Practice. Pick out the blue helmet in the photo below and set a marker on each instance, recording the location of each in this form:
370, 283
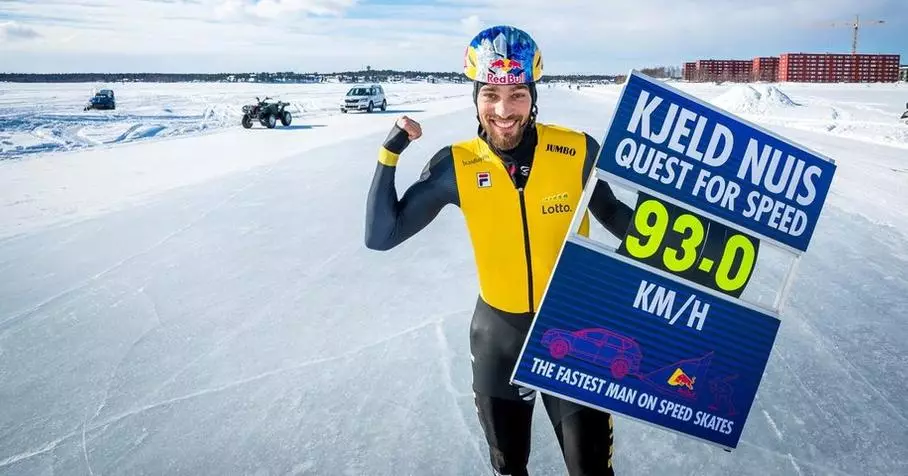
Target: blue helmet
503, 55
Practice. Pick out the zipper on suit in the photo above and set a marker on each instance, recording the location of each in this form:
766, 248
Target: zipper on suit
526, 248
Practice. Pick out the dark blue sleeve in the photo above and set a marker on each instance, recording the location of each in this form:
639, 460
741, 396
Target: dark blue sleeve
390, 221
613, 214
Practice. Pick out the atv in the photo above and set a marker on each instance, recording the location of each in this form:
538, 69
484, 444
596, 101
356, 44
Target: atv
267, 113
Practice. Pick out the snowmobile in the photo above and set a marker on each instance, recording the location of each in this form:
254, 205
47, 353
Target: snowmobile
103, 99
267, 113
904, 117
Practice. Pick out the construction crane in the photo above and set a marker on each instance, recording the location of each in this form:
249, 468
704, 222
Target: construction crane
855, 26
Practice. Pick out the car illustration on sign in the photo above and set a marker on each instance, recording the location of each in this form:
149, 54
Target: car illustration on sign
620, 354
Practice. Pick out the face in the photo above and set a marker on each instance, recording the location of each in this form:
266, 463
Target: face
504, 111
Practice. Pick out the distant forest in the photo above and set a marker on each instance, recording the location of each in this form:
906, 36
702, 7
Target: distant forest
368, 75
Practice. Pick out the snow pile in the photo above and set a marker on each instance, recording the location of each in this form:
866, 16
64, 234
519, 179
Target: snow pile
754, 99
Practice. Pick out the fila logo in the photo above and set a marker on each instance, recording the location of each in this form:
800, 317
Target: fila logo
483, 179
561, 149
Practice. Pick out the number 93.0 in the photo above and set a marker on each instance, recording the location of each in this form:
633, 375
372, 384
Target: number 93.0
652, 222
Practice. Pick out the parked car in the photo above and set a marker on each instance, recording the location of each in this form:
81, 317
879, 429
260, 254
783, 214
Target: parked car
266, 113
364, 98
103, 99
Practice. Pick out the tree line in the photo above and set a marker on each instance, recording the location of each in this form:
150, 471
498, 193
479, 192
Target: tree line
370, 75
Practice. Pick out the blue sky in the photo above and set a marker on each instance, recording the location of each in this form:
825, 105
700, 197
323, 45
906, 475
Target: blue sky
575, 36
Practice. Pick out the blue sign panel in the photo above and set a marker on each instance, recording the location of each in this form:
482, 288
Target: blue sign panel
617, 336
674, 145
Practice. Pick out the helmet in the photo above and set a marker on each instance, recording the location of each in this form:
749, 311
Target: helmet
503, 55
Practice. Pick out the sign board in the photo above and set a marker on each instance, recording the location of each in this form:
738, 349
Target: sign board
658, 329
703, 157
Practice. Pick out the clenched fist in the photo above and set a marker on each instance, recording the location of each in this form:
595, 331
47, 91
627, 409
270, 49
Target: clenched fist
413, 129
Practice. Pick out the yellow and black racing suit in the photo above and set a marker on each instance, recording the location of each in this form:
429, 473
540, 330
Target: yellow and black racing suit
518, 206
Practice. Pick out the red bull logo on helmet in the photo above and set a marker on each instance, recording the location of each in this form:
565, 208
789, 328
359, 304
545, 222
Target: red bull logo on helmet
491, 78
504, 65
500, 72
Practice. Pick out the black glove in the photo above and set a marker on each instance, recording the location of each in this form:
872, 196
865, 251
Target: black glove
397, 140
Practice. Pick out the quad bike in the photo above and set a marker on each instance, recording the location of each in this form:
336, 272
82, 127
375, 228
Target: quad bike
267, 113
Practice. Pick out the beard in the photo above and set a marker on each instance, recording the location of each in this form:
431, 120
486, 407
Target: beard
505, 140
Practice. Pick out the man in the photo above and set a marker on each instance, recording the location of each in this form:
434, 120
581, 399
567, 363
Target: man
517, 184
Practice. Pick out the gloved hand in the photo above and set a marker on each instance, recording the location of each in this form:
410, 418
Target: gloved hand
404, 131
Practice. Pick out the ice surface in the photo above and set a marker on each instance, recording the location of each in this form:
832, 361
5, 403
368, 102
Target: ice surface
190, 306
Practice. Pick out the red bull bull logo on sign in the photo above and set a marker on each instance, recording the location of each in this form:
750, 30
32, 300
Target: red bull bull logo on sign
680, 379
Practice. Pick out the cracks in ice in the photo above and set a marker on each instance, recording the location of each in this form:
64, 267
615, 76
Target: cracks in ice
87, 422
852, 369
154, 306
50, 446
772, 423
791, 458
90, 426
246, 324
794, 463
447, 377
7, 323
805, 387
85, 447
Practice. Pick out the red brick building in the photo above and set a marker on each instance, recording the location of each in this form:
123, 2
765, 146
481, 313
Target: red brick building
765, 68
688, 72
723, 70
798, 67
832, 68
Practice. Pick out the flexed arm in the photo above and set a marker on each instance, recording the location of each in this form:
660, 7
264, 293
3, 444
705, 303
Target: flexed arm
390, 221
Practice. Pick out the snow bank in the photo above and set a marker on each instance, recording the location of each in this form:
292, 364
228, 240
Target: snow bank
754, 99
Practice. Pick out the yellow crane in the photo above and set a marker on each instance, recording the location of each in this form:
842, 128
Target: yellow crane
855, 26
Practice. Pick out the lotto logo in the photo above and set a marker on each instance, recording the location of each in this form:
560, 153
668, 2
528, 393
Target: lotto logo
483, 179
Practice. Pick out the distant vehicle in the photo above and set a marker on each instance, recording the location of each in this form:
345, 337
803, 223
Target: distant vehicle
602, 347
904, 117
267, 113
364, 98
103, 99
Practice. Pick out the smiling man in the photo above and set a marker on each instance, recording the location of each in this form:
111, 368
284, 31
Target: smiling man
517, 183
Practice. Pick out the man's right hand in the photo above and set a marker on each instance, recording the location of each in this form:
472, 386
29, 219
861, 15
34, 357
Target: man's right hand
404, 131
413, 129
